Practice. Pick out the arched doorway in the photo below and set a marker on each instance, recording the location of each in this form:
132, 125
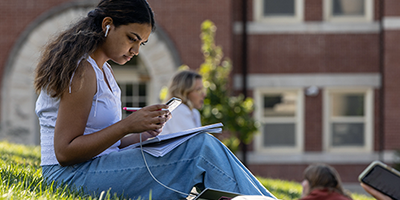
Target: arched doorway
18, 121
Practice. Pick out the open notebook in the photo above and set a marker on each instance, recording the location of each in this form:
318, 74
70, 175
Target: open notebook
162, 144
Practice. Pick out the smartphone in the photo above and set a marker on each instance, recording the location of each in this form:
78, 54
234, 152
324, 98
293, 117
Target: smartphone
382, 178
173, 103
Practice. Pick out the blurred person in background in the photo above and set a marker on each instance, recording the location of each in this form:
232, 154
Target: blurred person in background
188, 86
322, 182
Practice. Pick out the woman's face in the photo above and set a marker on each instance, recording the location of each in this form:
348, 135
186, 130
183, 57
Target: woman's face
306, 188
197, 95
123, 42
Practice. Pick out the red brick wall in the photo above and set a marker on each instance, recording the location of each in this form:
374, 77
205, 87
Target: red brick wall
313, 10
294, 172
391, 7
17, 15
377, 120
181, 19
350, 173
237, 6
392, 89
313, 123
310, 53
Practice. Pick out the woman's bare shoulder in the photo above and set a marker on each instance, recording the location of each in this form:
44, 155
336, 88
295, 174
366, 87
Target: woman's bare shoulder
84, 78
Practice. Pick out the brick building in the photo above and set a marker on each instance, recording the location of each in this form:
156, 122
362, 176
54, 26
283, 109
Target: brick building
324, 73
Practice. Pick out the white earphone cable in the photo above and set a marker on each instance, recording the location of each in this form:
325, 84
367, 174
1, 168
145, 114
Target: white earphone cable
151, 174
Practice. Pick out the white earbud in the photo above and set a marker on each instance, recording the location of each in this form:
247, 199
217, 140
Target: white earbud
108, 28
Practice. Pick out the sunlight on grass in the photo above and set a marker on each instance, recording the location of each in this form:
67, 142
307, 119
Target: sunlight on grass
21, 178
282, 189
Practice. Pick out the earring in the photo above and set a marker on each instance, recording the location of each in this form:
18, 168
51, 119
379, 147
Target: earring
108, 28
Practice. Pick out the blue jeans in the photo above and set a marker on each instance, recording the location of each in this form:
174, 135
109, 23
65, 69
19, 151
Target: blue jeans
202, 161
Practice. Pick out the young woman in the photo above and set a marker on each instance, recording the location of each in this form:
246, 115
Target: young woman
188, 86
79, 110
322, 182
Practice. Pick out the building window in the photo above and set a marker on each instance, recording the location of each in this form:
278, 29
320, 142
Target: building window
132, 95
348, 119
348, 10
281, 116
133, 80
278, 11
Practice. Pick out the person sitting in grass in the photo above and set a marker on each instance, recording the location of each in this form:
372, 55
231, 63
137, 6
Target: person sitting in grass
322, 182
186, 85
82, 133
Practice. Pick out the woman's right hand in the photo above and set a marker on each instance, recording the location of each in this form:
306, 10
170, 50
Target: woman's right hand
375, 193
149, 118
71, 145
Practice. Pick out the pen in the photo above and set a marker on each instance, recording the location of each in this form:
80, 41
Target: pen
133, 109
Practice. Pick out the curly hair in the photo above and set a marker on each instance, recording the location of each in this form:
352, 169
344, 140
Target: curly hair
61, 56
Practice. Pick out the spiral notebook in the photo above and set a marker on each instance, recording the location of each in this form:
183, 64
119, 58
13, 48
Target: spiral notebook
162, 144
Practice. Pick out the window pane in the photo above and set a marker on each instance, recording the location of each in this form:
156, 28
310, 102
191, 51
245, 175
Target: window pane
142, 104
348, 7
128, 104
129, 96
347, 134
142, 89
278, 105
279, 7
347, 105
129, 90
279, 134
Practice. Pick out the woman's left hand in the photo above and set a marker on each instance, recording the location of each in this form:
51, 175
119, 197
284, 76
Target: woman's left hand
149, 134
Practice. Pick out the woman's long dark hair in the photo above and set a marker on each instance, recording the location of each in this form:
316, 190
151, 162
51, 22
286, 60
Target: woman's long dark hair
61, 56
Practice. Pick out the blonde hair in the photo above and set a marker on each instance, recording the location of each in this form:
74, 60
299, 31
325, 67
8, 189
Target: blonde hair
323, 176
182, 84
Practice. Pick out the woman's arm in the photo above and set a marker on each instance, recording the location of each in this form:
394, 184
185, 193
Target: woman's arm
70, 145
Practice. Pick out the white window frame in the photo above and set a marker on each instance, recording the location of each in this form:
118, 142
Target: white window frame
368, 120
368, 15
258, 6
299, 121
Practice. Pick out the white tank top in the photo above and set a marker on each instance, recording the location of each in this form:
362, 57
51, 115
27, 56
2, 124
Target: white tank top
105, 111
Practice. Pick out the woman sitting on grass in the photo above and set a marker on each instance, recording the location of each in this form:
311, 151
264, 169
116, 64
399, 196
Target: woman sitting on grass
79, 109
188, 86
322, 182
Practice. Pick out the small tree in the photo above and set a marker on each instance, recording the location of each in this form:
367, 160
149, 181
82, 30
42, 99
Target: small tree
219, 105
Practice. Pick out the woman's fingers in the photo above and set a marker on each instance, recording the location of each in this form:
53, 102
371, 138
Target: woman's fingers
149, 118
154, 133
375, 193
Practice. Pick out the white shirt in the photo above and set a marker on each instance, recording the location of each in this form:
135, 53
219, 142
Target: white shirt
105, 111
182, 119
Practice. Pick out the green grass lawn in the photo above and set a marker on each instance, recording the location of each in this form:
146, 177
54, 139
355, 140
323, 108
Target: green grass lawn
21, 178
